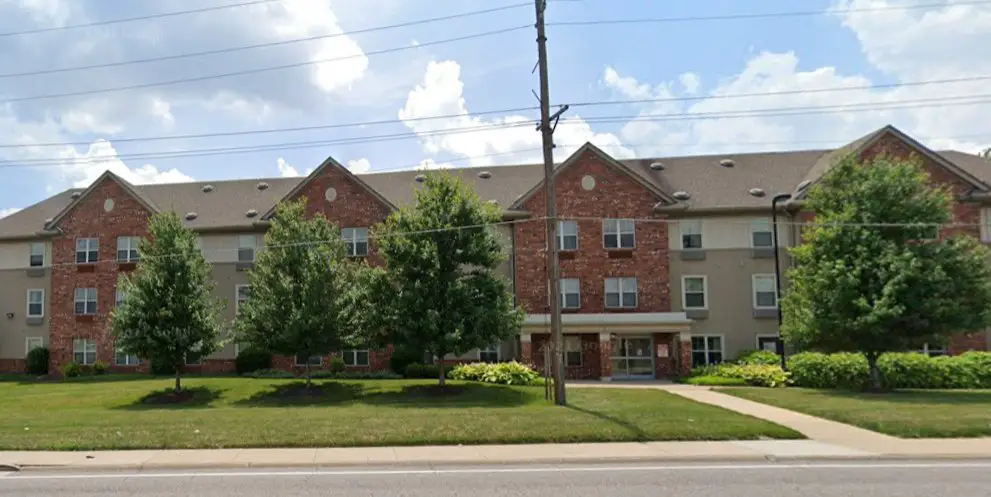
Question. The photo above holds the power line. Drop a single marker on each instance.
(261, 45)
(263, 69)
(132, 19)
(760, 15)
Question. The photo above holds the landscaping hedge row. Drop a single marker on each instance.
(504, 373)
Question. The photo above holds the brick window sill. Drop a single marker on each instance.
(126, 266)
(620, 253)
(85, 268)
(85, 318)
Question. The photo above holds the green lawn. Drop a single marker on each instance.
(241, 412)
(908, 414)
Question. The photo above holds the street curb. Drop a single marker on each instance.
(9, 468)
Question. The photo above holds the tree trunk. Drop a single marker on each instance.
(309, 380)
(876, 381)
(178, 381)
(440, 367)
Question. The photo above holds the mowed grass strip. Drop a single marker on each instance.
(907, 414)
(242, 412)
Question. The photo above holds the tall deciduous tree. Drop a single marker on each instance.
(441, 292)
(871, 277)
(298, 288)
(168, 310)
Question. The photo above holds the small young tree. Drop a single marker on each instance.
(871, 276)
(440, 292)
(298, 288)
(168, 310)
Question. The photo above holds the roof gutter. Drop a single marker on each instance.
(675, 209)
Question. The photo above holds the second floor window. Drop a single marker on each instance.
(85, 300)
(695, 293)
(355, 241)
(36, 303)
(761, 235)
(570, 294)
(127, 249)
(765, 295)
(118, 297)
(567, 235)
(691, 234)
(87, 250)
(246, 245)
(618, 234)
(621, 293)
(37, 255)
(241, 293)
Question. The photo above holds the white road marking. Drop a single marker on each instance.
(548, 469)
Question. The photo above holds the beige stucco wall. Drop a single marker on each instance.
(222, 248)
(226, 277)
(14, 285)
(16, 255)
(727, 232)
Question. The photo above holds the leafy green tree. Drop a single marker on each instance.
(168, 310)
(440, 292)
(871, 277)
(298, 288)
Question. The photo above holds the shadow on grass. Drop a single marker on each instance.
(26, 379)
(297, 394)
(946, 397)
(168, 399)
(626, 425)
(458, 395)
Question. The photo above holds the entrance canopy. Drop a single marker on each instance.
(623, 323)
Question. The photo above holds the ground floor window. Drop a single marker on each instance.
(489, 354)
(313, 360)
(572, 350)
(31, 343)
(122, 358)
(84, 351)
(355, 357)
(707, 349)
(768, 343)
(933, 350)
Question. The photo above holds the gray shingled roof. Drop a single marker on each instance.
(711, 185)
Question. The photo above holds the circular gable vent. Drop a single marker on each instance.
(108, 204)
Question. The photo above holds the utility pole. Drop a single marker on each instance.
(547, 135)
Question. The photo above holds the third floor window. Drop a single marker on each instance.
(87, 250)
(355, 241)
(127, 249)
(567, 235)
(618, 234)
(691, 234)
(37, 255)
(246, 245)
(761, 235)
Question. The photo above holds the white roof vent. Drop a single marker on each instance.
(757, 192)
(48, 220)
(727, 163)
(494, 202)
(657, 166)
(262, 186)
(251, 213)
(804, 184)
(485, 175)
(420, 178)
(190, 216)
(682, 195)
(76, 195)
(207, 188)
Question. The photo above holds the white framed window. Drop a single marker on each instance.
(570, 293)
(37, 257)
(313, 360)
(31, 343)
(85, 300)
(572, 350)
(691, 234)
(621, 293)
(765, 295)
(355, 357)
(619, 234)
(933, 350)
(768, 343)
(246, 246)
(118, 297)
(761, 234)
(87, 250)
(122, 358)
(84, 351)
(489, 354)
(707, 349)
(567, 235)
(241, 295)
(355, 241)
(694, 292)
(36, 303)
(986, 225)
(127, 248)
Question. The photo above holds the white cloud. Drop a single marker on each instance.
(84, 168)
(690, 81)
(441, 93)
(162, 110)
(6, 212)
(360, 166)
(287, 170)
(430, 164)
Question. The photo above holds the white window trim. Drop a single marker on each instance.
(722, 345)
(705, 293)
(88, 239)
(765, 335)
(28, 303)
(562, 294)
(237, 292)
(636, 292)
(354, 357)
(494, 348)
(131, 244)
(85, 300)
(560, 235)
(581, 355)
(95, 352)
(253, 247)
(117, 352)
(353, 239)
(29, 340)
(770, 230)
(681, 233)
(619, 233)
(928, 349)
(44, 256)
(985, 226)
(753, 290)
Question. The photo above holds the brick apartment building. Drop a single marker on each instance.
(665, 263)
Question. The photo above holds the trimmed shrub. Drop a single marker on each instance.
(980, 363)
(37, 361)
(762, 357)
(270, 373)
(337, 365)
(505, 373)
(72, 370)
(403, 357)
(715, 381)
(423, 371)
(252, 359)
(817, 370)
(100, 368)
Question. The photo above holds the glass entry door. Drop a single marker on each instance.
(632, 358)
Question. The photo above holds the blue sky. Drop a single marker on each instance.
(855, 43)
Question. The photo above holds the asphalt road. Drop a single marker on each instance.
(874, 479)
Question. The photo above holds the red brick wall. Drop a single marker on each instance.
(354, 207)
(615, 196)
(127, 218)
(591, 357)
